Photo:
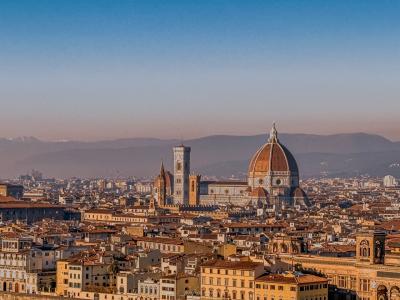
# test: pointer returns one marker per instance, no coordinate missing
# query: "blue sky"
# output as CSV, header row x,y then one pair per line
x,y
110,69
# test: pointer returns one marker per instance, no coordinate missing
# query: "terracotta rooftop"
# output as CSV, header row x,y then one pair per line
x,y
225,264
294,278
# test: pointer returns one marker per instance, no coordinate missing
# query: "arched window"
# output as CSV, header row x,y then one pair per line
x,y
250,295
378,249
364,248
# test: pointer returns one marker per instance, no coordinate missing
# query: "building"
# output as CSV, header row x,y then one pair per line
x,y
178,286
275,169
163,187
221,279
67,200
181,174
389,181
272,183
194,190
29,212
83,273
11,190
149,289
373,274
25,268
291,285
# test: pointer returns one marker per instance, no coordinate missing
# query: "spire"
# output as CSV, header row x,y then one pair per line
x,y
162,171
273,135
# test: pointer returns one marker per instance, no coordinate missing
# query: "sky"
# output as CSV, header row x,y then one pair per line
x,y
89,70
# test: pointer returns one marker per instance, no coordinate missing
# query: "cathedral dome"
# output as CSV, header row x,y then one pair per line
x,y
272,157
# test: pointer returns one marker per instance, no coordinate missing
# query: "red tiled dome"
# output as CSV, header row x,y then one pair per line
x,y
272,157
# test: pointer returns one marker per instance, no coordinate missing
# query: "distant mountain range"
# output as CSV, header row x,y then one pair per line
x,y
219,155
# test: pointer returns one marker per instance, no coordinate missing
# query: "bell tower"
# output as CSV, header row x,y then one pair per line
x,y
162,187
181,174
194,190
370,247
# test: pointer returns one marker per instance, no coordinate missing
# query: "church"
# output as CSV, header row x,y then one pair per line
x,y
272,181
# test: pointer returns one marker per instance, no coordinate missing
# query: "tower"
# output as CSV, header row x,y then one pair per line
x,y
194,189
161,187
181,174
370,247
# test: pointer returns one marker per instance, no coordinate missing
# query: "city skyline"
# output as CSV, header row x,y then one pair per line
x,y
200,150
96,70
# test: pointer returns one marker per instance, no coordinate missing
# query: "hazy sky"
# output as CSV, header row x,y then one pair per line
x,y
109,69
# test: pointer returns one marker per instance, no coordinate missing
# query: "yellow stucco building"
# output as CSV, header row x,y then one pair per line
x,y
290,286
245,280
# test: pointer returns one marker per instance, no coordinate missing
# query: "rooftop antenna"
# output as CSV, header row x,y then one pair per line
x,y
181,139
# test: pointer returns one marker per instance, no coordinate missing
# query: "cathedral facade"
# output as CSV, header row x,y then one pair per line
x,y
272,181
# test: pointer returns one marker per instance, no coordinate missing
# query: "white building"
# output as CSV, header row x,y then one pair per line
x,y
23,268
181,174
389,181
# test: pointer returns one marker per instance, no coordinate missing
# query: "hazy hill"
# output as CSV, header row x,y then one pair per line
x,y
221,155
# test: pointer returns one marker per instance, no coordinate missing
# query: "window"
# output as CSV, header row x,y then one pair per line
x,y
280,287
342,282
211,293
272,287
364,248
353,283
364,285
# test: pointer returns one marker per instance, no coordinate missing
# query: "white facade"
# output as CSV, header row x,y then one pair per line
x,y
181,174
389,181
21,265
